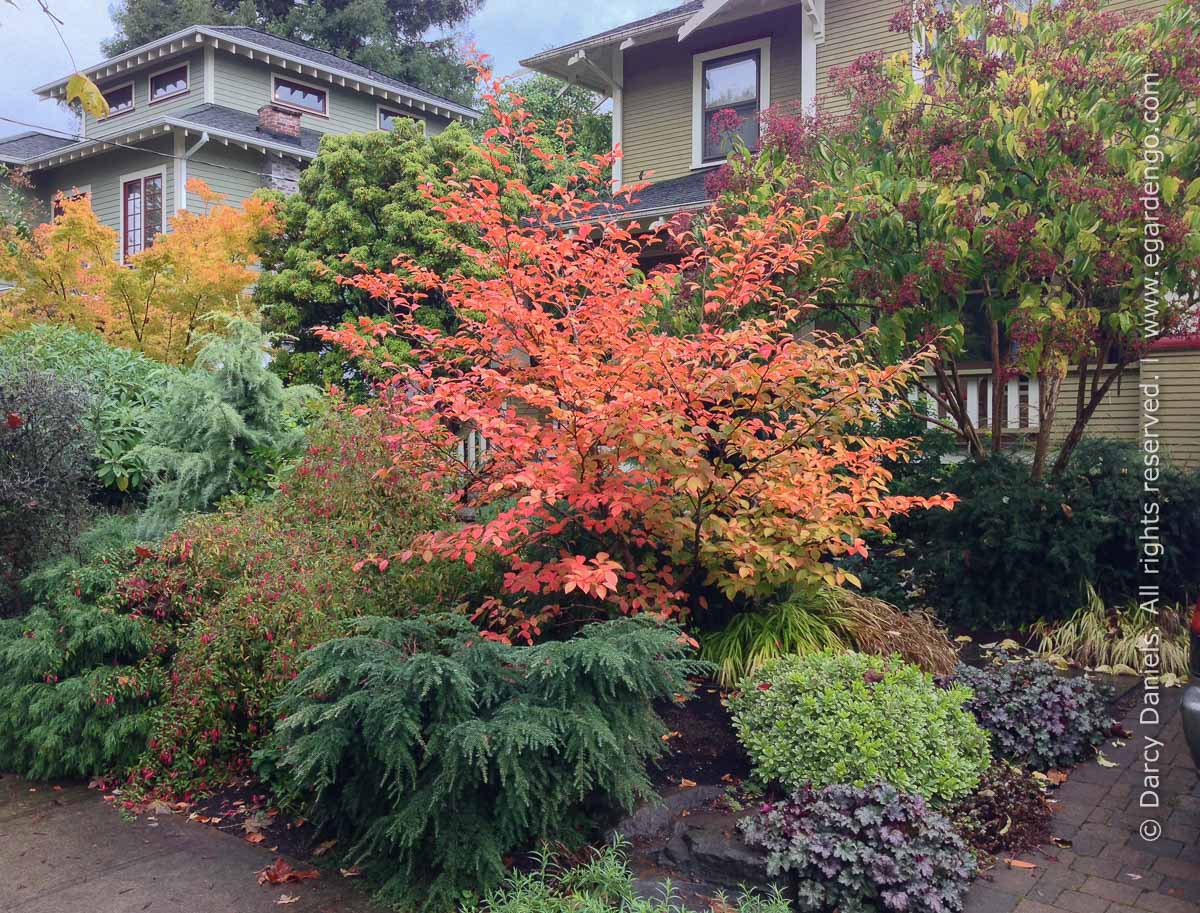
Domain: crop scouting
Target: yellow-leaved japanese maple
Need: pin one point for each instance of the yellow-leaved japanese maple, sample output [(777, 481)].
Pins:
[(161, 300), (622, 467)]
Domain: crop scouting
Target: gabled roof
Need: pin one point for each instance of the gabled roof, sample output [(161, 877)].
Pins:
[(286, 54), (233, 124), (21, 146)]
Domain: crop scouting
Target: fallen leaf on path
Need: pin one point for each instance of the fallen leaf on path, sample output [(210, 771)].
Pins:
[(1057, 777), (685, 783), (255, 838), (324, 848), (158, 807), (1061, 843), (352, 872), (280, 872), (1105, 762), (286, 898), (1020, 864)]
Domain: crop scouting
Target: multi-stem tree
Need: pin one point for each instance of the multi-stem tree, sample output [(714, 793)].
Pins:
[(1000, 186), (162, 301), (626, 469)]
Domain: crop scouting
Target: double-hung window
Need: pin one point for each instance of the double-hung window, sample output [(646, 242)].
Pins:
[(120, 99), (731, 88), (141, 211)]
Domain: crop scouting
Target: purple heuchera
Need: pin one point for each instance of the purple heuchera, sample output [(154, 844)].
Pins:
[(864, 850)]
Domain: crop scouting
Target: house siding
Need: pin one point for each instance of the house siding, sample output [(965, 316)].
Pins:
[(854, 28), (245, 85), (657, 97), (103, 174), (143, 112), (233, 172)]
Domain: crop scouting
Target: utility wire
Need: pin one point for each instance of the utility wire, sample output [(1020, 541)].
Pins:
[(63, 134)]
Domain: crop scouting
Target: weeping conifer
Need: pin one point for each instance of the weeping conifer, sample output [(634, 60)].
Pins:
[(431, 753)]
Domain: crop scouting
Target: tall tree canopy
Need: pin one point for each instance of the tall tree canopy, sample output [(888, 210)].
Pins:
[(386, 35)]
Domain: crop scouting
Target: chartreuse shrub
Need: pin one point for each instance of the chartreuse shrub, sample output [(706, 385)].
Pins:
[(602, 883), (852, 718), (1037, 717), (864, 850), (430, 753)]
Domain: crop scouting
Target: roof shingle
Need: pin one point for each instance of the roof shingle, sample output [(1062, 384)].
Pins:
[(26, 145)]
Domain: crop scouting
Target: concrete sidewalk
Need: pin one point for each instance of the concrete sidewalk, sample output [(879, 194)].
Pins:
[(69, 851)]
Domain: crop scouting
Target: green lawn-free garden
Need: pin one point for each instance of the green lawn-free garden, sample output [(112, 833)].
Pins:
[(559, 532)]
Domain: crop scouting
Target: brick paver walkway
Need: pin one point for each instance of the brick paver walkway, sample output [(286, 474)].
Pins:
[(1110, 867)]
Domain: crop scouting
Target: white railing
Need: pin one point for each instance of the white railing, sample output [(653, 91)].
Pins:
[(1019, 403)]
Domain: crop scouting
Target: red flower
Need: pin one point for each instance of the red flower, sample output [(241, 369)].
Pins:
[(14, 420)]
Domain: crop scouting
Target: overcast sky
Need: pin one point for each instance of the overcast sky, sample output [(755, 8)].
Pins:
[(31, 53)]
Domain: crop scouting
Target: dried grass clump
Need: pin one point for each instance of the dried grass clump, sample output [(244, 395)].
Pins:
[(878, 627)]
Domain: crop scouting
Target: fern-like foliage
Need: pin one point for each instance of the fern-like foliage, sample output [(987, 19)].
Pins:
[(431, 752), (77, 684), (223, 426)]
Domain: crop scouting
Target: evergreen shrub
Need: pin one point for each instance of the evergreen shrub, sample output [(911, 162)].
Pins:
[(430, 753), (851, 718)]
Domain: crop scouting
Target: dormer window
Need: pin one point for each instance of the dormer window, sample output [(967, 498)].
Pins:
[(300, 96), (168, 83), (120, 99), (734, 79)]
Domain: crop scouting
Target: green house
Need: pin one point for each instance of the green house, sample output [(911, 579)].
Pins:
[(238, 108)]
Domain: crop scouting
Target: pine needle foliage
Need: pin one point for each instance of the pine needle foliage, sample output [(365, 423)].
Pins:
[(432, 752)]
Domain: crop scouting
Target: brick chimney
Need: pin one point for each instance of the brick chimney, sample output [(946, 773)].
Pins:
[(278, 121)]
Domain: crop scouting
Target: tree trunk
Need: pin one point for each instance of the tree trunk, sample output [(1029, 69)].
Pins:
[(1084, 414), (952, 400), (1049, 387)]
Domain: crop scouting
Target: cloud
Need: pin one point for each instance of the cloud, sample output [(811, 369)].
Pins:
[(31, 54)]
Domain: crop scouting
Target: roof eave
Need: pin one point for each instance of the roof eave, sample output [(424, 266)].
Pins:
[(164, 127), (557, 56), (177, 42)]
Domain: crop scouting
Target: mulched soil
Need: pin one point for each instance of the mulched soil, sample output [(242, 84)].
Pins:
[(244, 809), (703, 747)]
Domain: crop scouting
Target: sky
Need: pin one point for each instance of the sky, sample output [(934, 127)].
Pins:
[(31, 54)]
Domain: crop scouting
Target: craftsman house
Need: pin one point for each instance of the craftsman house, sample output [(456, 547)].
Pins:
[(669, 73), (235, 107)]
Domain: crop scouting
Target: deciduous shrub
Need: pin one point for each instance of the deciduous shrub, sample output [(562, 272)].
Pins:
[(45, 468), (1007, 813), (852, 718), (430, 752), (1037, 718), (259, 581), (602, 883), (864, 850)]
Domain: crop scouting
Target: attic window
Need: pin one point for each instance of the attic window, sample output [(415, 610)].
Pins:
[(120, 99), (300, 96), (389, 116), (734, 79), (168, 83)]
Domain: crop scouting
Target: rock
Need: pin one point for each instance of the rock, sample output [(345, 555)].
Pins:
[(652, 821)]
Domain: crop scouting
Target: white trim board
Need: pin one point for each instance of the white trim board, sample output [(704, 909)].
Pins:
[(763, 46)]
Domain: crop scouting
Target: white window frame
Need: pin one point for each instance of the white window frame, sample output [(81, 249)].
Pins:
[(287, 77), (132, 84), (161, 171), (186, 66), (392, 109), (763, 46)]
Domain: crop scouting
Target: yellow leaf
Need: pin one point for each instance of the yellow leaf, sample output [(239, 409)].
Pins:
[(1105, 762), (90, 98)]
